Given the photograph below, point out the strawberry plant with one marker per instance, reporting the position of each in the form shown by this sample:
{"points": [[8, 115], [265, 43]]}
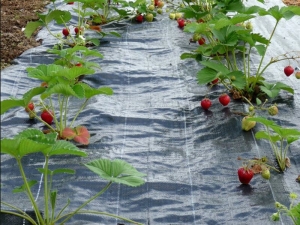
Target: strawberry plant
{"points": [[293, 211], [230, 39], [32, 141], [279, 138], [63, 85], [63, 18], [254, 166]]}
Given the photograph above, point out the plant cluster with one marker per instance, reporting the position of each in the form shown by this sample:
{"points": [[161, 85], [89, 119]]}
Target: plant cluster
{"points": [[226, 42]]}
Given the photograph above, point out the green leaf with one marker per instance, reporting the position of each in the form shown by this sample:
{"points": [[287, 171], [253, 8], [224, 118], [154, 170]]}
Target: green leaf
{"points": [[64, 89], [11, 103], [188, 56], [259, 38], [252, 9], [239, 18], [261, 49], [286, 132], [223, 22], [206, 75], [240, 79], [115, 34], [53, 196], [195, 27], [31, 93], [23, 187], [258, 101], [215, 65], [64, 148], [265, 135], [60, 16], [95, 41], [117, 171], [263, 121], [63, 170], [31, 27], [90, 92]]}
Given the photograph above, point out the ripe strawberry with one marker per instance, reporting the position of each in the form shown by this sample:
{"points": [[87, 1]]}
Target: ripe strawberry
{"points": [[273, 110], [201, 41], [139, 18], [297, 75], [215, 81], [200, 21], [181, 23], [288, 70], [156, 2], [76, 30], [30, 107], [78, 64], [70, 3], [245, 175], [65, 32], [224, 99], [205, 103], [47, 116]]}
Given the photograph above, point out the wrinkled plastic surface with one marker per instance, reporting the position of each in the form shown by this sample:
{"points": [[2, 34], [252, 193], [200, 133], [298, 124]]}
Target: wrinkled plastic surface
{"points": [[154, 122]]}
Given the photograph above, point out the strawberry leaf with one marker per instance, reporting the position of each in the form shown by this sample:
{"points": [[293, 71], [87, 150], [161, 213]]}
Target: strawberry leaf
{"points": [[11, 103], [60, 16], [265, 135], [206, 75], [216, 66], [239, 18], [195, 27], [22, 188], [117, 171], [261, 49], [31, 93], [31, 27], [59, 89], [64, 148]]}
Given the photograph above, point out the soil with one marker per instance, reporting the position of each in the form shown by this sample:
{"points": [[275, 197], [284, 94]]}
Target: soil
{"points": [[15, 15]]}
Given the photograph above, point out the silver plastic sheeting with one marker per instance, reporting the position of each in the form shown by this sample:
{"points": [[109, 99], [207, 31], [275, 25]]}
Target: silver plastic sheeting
{"points": [[154, 122]]}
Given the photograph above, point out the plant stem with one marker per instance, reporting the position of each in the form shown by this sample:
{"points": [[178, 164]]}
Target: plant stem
{"points": [[46, 191], [258, 73], [31, 198], [107, 214], [85, 203], [24, 215], [79, 111]]}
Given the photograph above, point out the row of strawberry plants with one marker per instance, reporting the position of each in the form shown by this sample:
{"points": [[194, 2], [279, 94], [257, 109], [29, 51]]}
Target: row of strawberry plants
{"points": [[226, 44], [60, 83]]}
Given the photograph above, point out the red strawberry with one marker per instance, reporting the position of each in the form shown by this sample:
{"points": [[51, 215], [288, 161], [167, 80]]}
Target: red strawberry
{"points": [[215, 81], [70, 3], [76, 30], [245, 175], [205, 103], [47, 116], [224, 99], [65, 32], [200, 21], [139, 18], [288, 70], [30, 107], [78, 64], [181, 23], [201, 41]]}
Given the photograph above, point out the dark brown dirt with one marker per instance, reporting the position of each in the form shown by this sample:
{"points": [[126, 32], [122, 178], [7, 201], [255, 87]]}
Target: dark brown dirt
{"points": [[14, 16]]}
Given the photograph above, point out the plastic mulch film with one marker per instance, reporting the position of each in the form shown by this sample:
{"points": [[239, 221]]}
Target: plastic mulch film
{"points": [[154, 122]]}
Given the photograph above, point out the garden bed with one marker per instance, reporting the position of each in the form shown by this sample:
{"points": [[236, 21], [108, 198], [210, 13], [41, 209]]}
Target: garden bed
{"points": [[155, 122]]}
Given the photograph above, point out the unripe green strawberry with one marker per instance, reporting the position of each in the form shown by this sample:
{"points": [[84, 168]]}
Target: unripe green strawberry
{"points": [[251, 108], [151, 7], [266, 174], [196, 37], [249, 26], [159, 11], [273, 110], [297, 75], [247, 125]]}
